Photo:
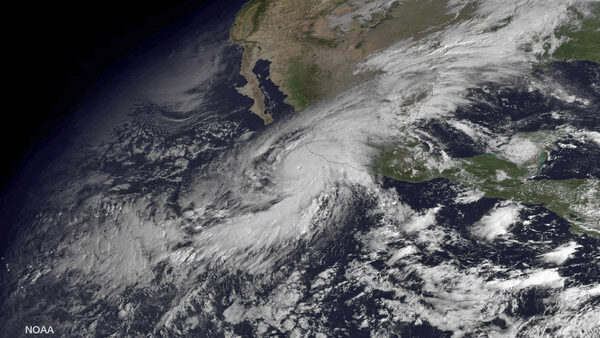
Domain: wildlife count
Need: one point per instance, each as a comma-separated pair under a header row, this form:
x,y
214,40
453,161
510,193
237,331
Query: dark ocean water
x,y
344,273
146,44
274,104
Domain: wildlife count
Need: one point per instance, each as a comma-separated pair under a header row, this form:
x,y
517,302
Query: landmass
x,y
582,34
313,45
574,199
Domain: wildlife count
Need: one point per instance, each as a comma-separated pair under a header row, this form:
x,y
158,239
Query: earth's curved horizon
x,y
328,168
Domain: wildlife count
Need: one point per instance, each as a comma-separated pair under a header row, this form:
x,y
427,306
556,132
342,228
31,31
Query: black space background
x,y
54,51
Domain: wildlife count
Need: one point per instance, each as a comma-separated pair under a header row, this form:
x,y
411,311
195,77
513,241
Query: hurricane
x,y
445,185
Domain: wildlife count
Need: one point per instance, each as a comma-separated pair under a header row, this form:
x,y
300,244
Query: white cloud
x,y
497,222
543,278
559,255
401,253
421,221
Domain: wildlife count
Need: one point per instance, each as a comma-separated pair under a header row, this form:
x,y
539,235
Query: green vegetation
x,y
414,99
303,84
543,158
321,42
410,19
584,39
402,163
482,173
247,19
583,46
311,60
503,23
417,18
579,230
